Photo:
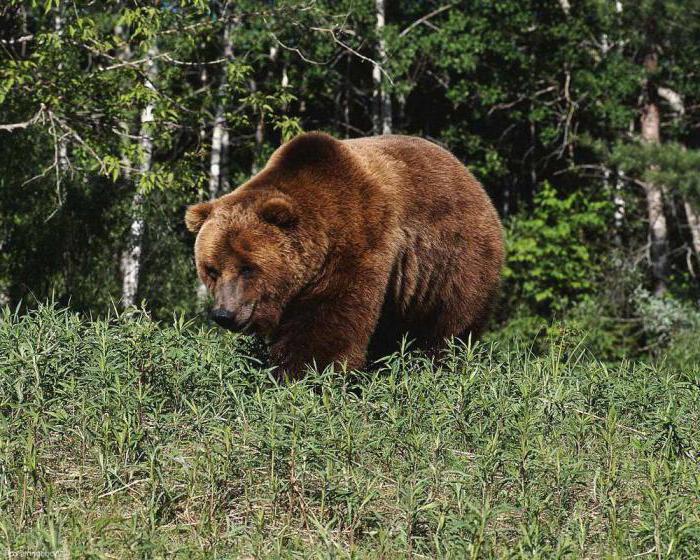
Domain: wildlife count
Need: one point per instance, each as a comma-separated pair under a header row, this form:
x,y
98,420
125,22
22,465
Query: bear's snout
x,y
223,318
233,320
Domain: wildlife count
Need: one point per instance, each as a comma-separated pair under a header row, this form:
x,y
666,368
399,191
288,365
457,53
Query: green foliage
x,y
532,97
130,438
669,164
550,263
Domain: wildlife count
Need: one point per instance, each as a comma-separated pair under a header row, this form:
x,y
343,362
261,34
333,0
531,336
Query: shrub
x,y
550,262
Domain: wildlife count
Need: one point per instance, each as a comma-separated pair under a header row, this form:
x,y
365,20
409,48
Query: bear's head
x,y
252,256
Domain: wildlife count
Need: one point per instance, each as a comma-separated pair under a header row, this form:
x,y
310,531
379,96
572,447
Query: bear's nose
x,y
223,318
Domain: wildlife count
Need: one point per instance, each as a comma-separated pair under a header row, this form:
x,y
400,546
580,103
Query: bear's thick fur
x,y
336,249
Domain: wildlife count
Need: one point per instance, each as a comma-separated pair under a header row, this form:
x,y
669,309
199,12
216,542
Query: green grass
x,y
127,438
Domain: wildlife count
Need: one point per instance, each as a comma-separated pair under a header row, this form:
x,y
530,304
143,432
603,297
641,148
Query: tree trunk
x,y
381,119
4,282
346,97
620,208
259,135
62,147
217,152
131,256
658,230
675,101
285,78
219,136
693,216
401,100
619,202
260,127
259,140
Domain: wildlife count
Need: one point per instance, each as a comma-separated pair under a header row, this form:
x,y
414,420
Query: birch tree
x,y
131,256
218,176
259,131
382,118
62,163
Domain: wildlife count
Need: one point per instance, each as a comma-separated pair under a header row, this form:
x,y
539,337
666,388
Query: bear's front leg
x,y
335,330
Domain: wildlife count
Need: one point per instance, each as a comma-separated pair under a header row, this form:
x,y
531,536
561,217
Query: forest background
x,y
581,118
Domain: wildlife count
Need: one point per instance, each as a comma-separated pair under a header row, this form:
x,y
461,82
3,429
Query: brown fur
x,y
337,248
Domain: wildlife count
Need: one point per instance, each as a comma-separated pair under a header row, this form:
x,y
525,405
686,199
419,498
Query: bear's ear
x,y
278,211
196,215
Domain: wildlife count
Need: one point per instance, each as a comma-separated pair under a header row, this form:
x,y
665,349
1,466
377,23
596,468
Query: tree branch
x,y
23,39
25,124
425,18
673,98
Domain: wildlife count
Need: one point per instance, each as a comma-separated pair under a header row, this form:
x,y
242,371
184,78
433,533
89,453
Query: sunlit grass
x,y
127,438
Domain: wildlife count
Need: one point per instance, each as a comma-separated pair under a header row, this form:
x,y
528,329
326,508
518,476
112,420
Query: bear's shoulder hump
x,y
310,148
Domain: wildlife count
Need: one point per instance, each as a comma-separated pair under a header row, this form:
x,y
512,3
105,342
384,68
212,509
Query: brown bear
x,y
337,249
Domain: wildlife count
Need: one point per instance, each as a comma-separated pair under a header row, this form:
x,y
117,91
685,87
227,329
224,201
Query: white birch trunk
x,y
615,186
376,100
217,152
382,118
131,256
254,167
618,193
219,134
620,207
259,139
285,76
62,148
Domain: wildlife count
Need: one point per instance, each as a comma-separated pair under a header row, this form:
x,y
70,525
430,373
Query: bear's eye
x,y
246,271
211,272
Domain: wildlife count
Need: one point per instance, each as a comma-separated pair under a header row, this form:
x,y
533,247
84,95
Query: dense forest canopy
x,y
581,118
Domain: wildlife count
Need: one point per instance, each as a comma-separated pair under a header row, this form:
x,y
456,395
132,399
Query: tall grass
x,y
124,438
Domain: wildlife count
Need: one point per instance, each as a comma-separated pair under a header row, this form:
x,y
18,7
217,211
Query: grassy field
x,y
126,438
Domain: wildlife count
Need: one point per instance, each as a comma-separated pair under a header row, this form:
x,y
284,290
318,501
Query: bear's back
x,y
426,182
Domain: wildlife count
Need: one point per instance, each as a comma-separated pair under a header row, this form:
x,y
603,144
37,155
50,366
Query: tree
x,y
131,256
658,230
218,177
382,98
